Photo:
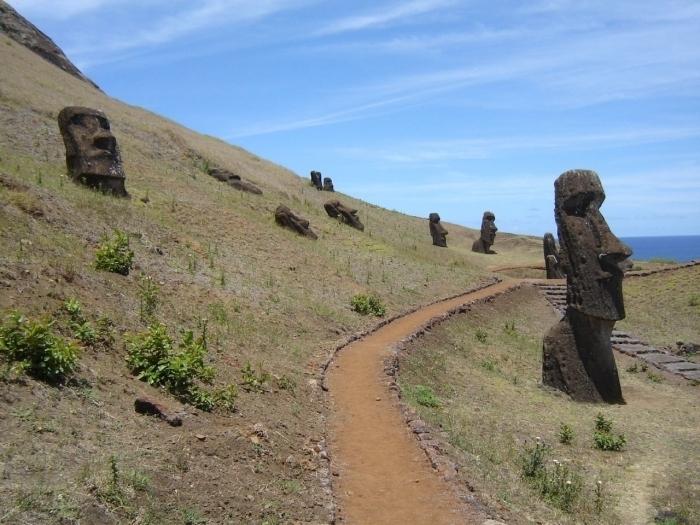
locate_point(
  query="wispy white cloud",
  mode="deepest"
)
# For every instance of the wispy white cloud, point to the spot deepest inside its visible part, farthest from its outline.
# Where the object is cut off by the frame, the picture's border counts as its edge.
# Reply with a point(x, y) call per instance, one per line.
point(62, 9)
point(381, 17)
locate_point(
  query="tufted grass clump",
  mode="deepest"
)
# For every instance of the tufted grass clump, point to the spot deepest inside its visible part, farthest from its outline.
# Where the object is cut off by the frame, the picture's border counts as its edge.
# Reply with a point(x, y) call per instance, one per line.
point(425, 396)
point(152, 356)
point(31, 346)
point(367, 304)
point(114, 255)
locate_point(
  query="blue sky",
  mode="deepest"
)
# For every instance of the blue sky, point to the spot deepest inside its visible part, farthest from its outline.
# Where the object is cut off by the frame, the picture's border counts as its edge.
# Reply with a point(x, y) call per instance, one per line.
point(423, 105)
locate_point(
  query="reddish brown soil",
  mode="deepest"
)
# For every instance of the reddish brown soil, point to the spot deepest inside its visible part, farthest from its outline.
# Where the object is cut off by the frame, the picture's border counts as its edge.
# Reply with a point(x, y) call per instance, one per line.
point(383, 475)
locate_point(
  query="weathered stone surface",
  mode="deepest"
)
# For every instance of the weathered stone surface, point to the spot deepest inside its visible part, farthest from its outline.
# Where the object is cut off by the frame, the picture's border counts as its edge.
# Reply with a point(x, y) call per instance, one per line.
point(25, 33)
point(552, 260)
point(488, 234)
point(577, 352)
point(233, 180)
point(437, 231)
point(145, 405)
point(658, 358)
point(285, 218)
point(337, 210)
point(316, 180)
point(328, 184)
point(683, 366)
point(92, 153)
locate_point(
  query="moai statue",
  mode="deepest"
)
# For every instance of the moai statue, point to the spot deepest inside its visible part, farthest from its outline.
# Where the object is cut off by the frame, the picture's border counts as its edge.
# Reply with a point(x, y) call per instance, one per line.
point(577, 355)
point(92, 154)
point(316, 180)
point(488, 234)
point(285, 218)
point(552, 261)
point(347, 215)
point(234, 180)
point(328, 184)
point(437, 231)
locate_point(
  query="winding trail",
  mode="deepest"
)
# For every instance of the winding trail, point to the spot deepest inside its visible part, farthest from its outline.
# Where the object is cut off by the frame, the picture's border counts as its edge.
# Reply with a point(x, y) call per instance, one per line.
point(384, 477)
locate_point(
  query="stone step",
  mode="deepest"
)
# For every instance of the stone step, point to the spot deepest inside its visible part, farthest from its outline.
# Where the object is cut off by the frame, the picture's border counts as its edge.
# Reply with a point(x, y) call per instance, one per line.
point(685, 366)
point(693, 375)
point(661, 359)
point(636, 350)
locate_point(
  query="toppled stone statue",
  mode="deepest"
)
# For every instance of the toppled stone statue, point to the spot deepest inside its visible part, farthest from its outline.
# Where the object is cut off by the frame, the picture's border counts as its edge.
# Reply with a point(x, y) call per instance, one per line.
point(234, 180)
point(488, 234)
point(437, 231)
point(92, 153)
point(552, 260)
point(577, 355)
point(328, 184)
point(337, 210)
point(285, 218)
point(316, 180)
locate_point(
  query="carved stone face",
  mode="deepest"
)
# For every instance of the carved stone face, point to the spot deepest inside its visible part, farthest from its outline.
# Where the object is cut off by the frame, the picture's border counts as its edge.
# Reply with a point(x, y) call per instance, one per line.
point(550, 245)
point(437, 231)
point(593, 256)
point(488, 228)
point(92, 154)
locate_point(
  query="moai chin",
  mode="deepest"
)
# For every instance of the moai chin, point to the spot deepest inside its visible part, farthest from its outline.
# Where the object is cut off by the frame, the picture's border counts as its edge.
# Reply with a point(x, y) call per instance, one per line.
point(552, 259)
point(437, 230)
point(316, 180)
point(488, 234)
point(338, 210)
point(92, 153)
point(577, 353)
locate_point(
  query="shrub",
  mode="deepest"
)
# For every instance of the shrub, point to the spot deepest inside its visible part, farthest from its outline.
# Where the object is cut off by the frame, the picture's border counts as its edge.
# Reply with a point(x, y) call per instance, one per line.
point(603, 424)
point(254, 381)
point(367, 304)
point(566, 434)
point(152, 357)
point(114, 255)
point(82, 329)
point(33, 347)
point(425, 396)
point(603, 438)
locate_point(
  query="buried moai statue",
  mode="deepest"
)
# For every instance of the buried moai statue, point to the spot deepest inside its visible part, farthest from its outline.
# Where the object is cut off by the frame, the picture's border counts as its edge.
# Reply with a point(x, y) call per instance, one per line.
point(552, 259)
point(285, 218)
point(577, 354)
point(488, 234)
point(234, 180)
point(337, 210)
point(328, 184)
point(437, 230)
point(316, 180)
point(92, 153)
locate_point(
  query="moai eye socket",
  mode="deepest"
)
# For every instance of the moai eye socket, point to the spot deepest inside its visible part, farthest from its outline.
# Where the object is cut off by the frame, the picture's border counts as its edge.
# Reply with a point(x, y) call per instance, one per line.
point(578, 205)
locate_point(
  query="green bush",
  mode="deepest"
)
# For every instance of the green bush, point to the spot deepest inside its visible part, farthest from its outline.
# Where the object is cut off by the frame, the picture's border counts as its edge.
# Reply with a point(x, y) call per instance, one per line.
point(82, 329)
point(566, 434)
point(603, 438)
point(32, 346)
point(367, 304)
point(114, 255)
point(602, 423)
point(425, 396)
point(254, 381)
point(151, 356)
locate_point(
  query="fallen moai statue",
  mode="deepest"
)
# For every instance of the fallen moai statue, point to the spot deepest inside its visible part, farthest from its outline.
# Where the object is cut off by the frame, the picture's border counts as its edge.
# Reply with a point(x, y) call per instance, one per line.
point(234, 180)
point(577, 353)
point(285, 218)
point(92, 153)
point(488, 234)
point(552, 259)
point(337, 210)
point(437, 230)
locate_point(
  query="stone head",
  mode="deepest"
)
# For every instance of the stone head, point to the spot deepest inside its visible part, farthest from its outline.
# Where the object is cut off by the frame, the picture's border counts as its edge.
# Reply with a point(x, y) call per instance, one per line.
point(434, 218)
point(92, 154)
point(437, 230)
point(488, 228)
point(550, 245)
point(594, 257)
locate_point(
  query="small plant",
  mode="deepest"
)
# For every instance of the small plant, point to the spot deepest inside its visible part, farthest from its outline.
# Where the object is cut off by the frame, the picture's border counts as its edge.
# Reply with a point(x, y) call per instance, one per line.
point(114, 255)
point(284, 382)
point(148, 298)
point(654, 378)
point(481, 335)
point(598, 498)
point(32, 346)
point(603, 439)
point(367, 304)
point(694, 300)
point(566, 434)
point(632, 369)
point(254, 381)
point(425, 396)
point(533, 458)
point(82, 329)
point(488, 364)
point(225, 397)
point(509, 328)
point(192, 517)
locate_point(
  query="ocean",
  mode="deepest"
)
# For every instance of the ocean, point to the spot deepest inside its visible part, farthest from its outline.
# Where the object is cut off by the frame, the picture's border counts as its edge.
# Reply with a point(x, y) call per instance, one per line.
point(679, 248)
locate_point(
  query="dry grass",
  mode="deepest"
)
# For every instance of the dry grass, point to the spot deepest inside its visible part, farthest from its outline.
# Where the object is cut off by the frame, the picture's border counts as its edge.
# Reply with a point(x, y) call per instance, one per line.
point(492, 404)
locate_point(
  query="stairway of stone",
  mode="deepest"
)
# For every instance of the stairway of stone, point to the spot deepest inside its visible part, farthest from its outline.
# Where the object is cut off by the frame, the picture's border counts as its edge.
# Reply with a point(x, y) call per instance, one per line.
point(623, 342)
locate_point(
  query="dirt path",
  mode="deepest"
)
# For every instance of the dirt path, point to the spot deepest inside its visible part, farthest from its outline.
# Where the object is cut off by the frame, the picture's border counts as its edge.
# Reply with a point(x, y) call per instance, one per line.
point(384, 476)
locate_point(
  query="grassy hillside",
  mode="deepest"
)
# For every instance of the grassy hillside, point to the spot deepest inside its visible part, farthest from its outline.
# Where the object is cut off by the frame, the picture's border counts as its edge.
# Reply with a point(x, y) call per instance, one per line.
point(479, 376)
point(215, 260)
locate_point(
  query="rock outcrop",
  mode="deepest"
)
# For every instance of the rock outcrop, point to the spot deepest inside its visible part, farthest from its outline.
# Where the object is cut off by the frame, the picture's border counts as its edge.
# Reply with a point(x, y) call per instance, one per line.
point(577, 352)
point(27, 34)
point(92, 153)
